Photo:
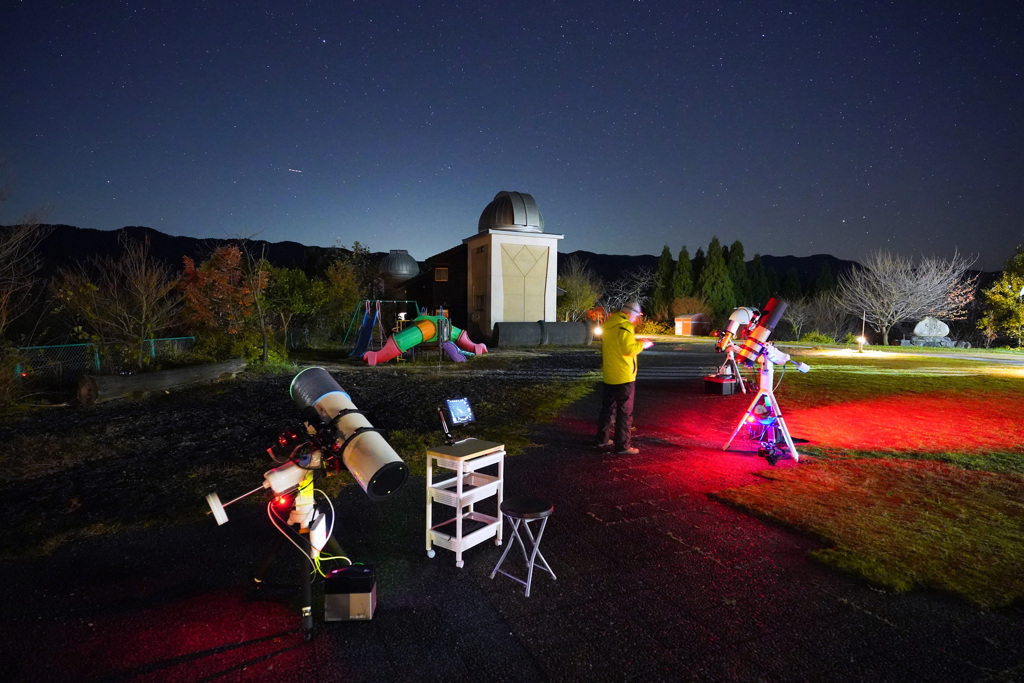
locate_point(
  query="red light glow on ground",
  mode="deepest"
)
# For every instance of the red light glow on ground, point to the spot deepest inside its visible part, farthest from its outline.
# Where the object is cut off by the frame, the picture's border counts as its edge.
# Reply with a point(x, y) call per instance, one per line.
point(923, 424)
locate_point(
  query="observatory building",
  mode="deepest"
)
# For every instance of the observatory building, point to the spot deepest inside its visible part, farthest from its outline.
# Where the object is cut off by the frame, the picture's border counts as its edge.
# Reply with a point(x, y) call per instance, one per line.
point(507, 272)
point(512, 263)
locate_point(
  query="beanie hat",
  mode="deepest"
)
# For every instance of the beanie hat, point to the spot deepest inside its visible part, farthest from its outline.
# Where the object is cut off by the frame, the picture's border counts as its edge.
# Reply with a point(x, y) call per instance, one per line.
point(632, 307)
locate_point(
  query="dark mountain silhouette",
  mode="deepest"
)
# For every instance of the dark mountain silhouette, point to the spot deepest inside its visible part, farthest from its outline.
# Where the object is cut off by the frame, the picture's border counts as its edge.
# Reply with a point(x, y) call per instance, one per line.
point(65, 245)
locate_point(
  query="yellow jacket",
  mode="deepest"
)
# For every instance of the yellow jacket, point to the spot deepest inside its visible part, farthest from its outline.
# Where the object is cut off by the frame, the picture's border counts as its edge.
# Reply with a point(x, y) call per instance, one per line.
point(619, 349)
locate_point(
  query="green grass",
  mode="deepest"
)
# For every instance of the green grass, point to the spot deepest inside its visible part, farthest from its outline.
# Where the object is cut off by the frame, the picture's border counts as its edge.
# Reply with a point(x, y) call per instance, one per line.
point(934, 517)
point(905, 524)
point(839, 379)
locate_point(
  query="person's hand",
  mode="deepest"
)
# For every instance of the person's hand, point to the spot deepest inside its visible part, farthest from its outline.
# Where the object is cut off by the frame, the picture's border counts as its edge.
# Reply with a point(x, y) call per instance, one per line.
point(647, 343)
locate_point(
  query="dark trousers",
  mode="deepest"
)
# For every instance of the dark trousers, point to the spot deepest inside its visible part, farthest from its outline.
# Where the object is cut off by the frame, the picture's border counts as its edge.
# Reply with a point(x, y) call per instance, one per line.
point(616, 414)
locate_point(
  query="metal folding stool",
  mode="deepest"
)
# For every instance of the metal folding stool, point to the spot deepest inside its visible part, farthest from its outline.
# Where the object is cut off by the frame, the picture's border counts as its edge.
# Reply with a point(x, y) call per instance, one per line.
point(520, 511)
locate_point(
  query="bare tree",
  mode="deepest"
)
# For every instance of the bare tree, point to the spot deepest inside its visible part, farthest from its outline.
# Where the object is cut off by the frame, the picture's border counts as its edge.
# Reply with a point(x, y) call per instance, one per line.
point(19, 264)
point(829, 317)
point(890, 289)
point(635, 284)
point(799, 312)
point(121, 301)
point(581, 287)
point(256, 275)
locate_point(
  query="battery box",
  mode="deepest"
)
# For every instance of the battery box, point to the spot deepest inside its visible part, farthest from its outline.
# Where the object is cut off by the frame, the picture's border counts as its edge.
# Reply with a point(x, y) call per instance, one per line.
point(722, 385)
point(350, 594)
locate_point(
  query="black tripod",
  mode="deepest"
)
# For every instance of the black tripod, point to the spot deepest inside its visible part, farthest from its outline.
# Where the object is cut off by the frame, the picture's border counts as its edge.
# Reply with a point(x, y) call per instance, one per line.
point(302, 518)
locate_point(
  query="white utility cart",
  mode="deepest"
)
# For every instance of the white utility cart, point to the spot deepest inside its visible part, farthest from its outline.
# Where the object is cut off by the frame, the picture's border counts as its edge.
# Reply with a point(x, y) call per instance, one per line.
point(469, 486)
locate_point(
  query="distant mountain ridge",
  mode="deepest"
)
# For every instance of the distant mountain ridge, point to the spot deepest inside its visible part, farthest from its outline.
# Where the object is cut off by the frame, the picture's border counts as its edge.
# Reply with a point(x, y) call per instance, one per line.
point(66, 244)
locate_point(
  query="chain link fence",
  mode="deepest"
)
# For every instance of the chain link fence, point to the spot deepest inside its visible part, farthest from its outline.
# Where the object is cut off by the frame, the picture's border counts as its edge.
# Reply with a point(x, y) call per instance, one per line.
point(64, 364)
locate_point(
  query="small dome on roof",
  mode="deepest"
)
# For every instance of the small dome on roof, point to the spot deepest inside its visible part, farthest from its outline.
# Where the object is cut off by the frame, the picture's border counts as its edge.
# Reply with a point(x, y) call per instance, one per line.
point(399, 265)
point(512, 211)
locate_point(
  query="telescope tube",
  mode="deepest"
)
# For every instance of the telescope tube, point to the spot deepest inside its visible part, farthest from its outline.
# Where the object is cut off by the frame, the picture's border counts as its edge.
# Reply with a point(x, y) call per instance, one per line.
point(365, 452)
point(769, 318)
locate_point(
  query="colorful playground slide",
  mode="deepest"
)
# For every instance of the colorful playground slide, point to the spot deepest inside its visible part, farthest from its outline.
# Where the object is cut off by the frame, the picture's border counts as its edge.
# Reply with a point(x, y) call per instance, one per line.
point(365, 333)
point(425, 329)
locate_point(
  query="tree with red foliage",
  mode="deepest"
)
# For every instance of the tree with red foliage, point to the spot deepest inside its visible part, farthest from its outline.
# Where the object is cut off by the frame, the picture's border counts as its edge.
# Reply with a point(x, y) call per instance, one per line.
point(218, 295)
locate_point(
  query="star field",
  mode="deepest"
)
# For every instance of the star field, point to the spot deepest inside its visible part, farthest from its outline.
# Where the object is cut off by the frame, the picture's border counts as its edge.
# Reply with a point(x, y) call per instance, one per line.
point(797, 128)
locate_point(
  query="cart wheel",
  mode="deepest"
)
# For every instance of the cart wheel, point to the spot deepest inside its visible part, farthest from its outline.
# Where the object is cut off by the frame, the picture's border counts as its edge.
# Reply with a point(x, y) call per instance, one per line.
point(459, 563)
point(430, 553)
point(497, 541)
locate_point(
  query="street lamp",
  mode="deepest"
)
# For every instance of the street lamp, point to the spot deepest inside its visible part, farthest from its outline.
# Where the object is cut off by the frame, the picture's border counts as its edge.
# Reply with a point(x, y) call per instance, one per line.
point(861, 340)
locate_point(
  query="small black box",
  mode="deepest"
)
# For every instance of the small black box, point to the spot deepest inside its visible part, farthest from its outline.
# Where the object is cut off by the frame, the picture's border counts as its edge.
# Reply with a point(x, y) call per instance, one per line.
point(722, 385)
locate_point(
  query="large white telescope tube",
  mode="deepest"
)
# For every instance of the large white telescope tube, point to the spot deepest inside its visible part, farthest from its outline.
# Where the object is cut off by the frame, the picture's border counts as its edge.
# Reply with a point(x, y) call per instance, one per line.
point(365, 452)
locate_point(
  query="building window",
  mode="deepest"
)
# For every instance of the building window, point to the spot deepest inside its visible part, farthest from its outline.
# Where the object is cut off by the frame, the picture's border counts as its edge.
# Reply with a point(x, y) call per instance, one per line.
point(481, 250)
point(440, 275)
point(481, 302)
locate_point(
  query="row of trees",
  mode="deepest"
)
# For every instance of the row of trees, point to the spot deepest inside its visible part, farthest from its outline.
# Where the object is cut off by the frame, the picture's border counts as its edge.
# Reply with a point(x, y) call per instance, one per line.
point(882, 293)
point(235, 302)
point(715, 282)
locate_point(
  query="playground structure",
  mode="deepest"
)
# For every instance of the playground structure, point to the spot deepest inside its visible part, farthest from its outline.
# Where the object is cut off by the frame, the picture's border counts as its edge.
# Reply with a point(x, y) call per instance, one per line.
point(430, 329)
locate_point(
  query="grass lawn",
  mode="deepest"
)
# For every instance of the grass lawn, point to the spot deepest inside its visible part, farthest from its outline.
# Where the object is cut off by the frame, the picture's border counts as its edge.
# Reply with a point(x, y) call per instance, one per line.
point(916, 474)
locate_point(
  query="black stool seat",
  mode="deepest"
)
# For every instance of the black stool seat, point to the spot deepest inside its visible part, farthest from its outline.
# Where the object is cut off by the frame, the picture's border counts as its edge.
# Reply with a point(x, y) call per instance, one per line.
point(526, 507)
point(521, 511)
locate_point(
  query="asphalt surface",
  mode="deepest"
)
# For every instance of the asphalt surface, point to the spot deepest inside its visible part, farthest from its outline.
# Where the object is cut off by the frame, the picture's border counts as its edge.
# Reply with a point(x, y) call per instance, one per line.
point(656, 580)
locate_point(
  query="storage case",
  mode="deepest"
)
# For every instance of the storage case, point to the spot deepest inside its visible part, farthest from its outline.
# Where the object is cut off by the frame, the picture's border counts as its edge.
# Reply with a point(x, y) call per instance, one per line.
point(350, 593)
point(720, 385)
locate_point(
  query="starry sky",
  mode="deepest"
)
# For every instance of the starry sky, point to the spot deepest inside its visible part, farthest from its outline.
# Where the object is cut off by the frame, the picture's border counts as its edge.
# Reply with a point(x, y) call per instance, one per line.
point(797, 128)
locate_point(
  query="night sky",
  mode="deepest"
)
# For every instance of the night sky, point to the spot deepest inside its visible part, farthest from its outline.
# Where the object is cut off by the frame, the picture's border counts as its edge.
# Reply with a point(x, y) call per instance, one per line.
point(796, 127)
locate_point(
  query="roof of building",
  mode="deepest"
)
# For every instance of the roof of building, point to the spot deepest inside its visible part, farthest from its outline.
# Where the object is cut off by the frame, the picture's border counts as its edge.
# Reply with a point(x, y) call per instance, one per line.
point(512, 211)
point(399, 265)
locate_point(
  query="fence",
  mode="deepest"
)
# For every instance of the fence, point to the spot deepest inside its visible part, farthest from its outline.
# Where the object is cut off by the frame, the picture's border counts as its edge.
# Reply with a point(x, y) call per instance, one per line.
point(67, 362)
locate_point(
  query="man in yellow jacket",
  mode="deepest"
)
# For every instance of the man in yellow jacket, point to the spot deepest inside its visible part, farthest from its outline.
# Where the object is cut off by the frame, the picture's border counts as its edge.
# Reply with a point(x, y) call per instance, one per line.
point(619, 349)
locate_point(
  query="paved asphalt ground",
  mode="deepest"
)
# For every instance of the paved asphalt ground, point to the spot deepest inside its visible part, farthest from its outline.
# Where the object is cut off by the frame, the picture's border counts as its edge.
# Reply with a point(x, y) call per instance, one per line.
point(656, 581)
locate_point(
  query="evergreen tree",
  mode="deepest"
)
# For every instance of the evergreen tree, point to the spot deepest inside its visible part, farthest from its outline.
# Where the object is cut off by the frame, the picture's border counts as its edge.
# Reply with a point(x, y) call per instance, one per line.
point(738, 274)
point(791, 289)
point(826, 281)
point(697, 266)
point(661, 300)
point(682, 279)
point(715, 285)
point(1004, 302)
point(760, 292)
point(771, 280)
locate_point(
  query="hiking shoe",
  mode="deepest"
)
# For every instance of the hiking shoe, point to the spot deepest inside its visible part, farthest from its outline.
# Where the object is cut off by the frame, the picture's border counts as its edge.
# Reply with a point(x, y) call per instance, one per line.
point(628, 451)
point(605, 446)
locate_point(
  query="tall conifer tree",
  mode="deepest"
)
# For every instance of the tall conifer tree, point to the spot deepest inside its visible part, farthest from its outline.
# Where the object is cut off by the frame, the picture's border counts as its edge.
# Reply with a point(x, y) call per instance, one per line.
point(682, 279)
point(661, 300)
point(738, 274)
point(697, 266)
point(715, 285)
point(760, 292)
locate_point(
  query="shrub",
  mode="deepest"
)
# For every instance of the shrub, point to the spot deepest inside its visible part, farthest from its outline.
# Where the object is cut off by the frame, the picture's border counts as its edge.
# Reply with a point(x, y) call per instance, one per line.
point(215, 345)
point(646, 326)
point(688, 305)
point(816, 337)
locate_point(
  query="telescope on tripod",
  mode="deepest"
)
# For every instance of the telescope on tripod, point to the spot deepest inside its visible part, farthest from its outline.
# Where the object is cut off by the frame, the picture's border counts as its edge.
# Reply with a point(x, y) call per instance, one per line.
point(334, 433)
point(763, 419)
